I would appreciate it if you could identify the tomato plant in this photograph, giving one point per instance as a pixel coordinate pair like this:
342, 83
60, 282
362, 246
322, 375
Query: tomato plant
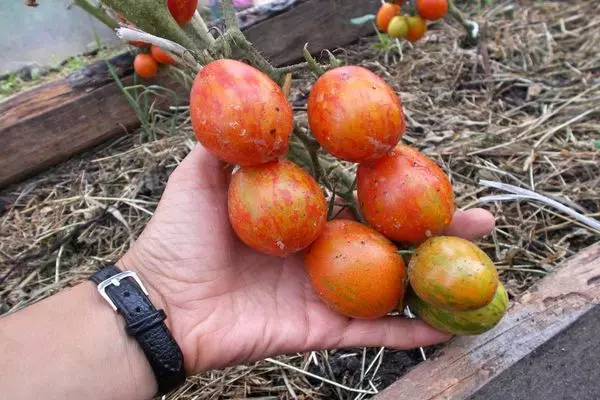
145, 66
160, 56
355, 270
417, 27
453, 274
405, 195
386, 12
432, 10
182, 10
239, 114
276, 208
354, 114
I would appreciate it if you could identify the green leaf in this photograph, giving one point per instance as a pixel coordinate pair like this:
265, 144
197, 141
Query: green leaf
365, 19
597, 144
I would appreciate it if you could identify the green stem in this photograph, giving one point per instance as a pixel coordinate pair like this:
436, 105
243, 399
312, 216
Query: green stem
153, 16
202, 30
292, 68
97, 13
312, 147
229, 15
312, 64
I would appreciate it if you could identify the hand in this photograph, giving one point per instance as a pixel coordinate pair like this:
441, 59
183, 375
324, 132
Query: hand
228, 304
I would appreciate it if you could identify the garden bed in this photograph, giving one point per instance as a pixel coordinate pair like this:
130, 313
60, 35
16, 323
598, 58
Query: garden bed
520, 109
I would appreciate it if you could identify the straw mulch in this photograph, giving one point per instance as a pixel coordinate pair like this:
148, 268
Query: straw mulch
522, 109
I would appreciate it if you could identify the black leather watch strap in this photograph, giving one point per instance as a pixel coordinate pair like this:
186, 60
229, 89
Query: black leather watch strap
145, 323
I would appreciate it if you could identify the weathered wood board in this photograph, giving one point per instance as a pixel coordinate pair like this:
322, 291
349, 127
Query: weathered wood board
50, 123
468, 363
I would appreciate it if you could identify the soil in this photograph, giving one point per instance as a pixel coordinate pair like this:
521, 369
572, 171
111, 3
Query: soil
564, 368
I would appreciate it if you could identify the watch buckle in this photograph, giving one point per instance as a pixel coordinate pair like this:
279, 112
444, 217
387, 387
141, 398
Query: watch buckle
115, 280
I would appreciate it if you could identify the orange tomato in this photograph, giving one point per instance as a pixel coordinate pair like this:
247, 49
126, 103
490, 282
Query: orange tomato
453, 274
386, 12
405, 195
160, 56
417, 27
432, 9
239, 114
354, 114
145, 66
355, 270
276, 208
182, 10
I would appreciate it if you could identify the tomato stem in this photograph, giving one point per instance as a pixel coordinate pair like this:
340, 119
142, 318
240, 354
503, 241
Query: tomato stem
312, 64
312, 147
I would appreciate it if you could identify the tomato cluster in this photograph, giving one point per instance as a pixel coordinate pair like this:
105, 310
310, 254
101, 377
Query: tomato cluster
243, 117
410, 27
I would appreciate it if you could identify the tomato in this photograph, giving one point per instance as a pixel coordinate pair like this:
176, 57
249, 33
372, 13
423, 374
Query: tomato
398, 28
405, 195
276, 208
417, 27
386, 12
145, 66
355, 270
354, 114
160, 56
239, 114
432, 9
453, 274
182, 10
472, 322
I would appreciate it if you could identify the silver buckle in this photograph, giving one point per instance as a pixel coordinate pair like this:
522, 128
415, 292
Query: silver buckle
116, 281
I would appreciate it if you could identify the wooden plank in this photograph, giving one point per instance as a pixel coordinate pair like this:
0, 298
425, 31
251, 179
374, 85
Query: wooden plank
324, 24
468, 363
49, 124
63, 122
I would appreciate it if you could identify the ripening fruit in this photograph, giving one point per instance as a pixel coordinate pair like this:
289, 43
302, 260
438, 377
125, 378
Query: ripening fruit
145, 66
405, 195
398, 28
182, 10
276, 208
239, 114
354, 114
355, 270
472, 322
432, 10
417, 27
452, 273
160, 56
386, 12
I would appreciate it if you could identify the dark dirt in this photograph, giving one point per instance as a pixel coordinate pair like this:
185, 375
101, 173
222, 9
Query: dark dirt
346, 367
567, 367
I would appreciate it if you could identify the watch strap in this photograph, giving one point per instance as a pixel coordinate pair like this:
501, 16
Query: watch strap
127, 295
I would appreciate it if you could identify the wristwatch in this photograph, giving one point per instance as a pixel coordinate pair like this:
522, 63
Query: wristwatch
126, 294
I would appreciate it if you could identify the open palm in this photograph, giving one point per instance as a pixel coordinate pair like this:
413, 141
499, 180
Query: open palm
228, 304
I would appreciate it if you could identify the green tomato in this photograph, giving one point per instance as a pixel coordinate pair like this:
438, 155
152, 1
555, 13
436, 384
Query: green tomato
398, 27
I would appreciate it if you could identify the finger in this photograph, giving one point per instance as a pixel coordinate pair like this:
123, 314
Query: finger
471, 224
396, 332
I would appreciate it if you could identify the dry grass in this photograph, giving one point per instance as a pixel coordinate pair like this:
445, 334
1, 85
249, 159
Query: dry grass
523, 109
